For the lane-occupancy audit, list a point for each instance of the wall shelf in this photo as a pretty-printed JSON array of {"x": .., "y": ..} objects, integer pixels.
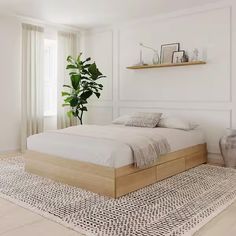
[{"x": 167, "y": 65}]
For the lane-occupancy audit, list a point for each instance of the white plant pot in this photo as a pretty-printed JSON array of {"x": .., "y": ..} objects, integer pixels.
[{"x": 228, "y": 148}]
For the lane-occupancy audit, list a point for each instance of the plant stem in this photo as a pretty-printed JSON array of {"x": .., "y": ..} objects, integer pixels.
[
  {"x": 80, "y": 119},
  {"x": 81, "y": 116}
]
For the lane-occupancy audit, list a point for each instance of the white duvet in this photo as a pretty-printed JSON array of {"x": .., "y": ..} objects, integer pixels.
[{"x": 102, "y": 151}]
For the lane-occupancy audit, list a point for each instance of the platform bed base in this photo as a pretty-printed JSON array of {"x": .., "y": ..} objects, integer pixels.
[{"x": 110, "y": 181}]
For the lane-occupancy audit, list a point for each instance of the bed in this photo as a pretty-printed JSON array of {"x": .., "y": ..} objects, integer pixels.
[{"x": 106, "y": 166}]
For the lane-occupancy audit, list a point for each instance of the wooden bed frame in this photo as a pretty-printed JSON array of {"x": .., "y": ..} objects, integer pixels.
[{"x": 113, "y": 182}]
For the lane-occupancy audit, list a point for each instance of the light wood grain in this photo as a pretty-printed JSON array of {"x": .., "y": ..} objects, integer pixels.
[
  {"x": 71, "y": 164},
  {"x": 170, "y": 168},
  {"x": 129, "y": 183},
  {"x": 164, "y": 159},
  {"x": 99, "y": 179},
  {"x": 194, "y": 160},
  {"x": 110, "y": 181},
  {"x": 166, "y": 65}
]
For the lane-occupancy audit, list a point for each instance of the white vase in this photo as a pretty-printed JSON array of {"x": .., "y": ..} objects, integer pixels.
[
  {"x": 156, "y": 58},
  {"x": 228, "y": 148}
]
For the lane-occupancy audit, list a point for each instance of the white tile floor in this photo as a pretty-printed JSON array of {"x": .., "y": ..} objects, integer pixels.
[{"x": 16, "y": 221}]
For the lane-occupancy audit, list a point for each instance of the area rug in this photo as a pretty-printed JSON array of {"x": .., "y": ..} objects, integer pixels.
[{"x": 179, "y": 205}]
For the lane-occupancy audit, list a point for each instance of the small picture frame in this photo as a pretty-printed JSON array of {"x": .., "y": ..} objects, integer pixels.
[
  {"x": 167, "y": 52},
  {"x": 178, "y": 57}
]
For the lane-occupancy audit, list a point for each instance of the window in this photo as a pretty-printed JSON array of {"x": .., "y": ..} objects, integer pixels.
[{"x": 50, "y": 77}]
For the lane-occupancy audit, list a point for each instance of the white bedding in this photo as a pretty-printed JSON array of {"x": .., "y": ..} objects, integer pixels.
[{"x": 104, "y": 151}]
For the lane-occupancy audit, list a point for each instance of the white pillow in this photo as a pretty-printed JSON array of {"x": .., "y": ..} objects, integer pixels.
[
  {"x": 121, "y": 120},
  {"x": 177, "y": 123},
  {"x": 144, "y": 119}
]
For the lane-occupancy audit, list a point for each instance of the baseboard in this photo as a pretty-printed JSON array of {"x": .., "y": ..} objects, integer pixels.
[
  {"x": 10, "y": 153},
  {"x": 215, "y": 158}
]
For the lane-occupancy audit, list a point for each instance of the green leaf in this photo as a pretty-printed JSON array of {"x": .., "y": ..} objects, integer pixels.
[
  {"x": 67, "y": 86},
  {"x": 66, "y": 105},
  {"x": 65, "y": 94},
  {"x": 68, "y": 99},
  {"x": 73, "y": 73},
  {"x": 75, "y": 81},
  {"x": 97, "y": 94},
  {"x": 74, "y": 102},
  {"x": 85, "y": 71},
  {"x": 101, "y": 76},
  {"x": 78, "y": 58},
  {"x": 85, "y": 78},
  {"x": 86, "y": 95},
  {"x": 84, "y": 109},
  {"x": 86, "y": 60},
  {"x": 84, "y": 84},
  {"x": 87, "y": 65},
  {"x": 94, "y": 71},
  {"x": 70, "y": 114},
  {"x": 70, "y": 59},
  {"x": 71, "y": 67},
  {"x": 83, "y": 101}
]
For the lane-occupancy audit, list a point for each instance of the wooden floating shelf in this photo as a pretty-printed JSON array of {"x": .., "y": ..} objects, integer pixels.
[{"x": 192, "y": 63}]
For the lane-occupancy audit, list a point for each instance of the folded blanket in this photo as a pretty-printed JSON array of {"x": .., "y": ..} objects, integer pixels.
[{"x": 146, "y": 146}]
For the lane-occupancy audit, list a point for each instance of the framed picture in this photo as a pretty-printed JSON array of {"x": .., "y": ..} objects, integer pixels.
[
  {"x": 167, "y": 52},
  {"x": 178, "y": 56}
]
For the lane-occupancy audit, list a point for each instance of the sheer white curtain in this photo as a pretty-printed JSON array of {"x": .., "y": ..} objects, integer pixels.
[
  {"x": 32, "y": 81},
  {"x": 67, "y": 46}
]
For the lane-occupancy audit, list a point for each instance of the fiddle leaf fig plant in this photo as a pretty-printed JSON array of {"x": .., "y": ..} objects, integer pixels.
[{"x": 84, "y": 78}]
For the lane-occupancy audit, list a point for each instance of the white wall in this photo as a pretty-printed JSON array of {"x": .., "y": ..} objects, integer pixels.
[
  {"x": 204, "y": 93},
  {"x": 10, "y": 86},
  {"x": 99, "y": 47}
]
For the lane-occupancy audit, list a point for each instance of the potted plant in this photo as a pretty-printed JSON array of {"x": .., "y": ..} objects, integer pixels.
[{"x": 83, "y": 84}]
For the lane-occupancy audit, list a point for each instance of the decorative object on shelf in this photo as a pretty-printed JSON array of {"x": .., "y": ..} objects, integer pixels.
[
  {"x": 141, "y": 57},
  {"x": 155, "y": 59},
  {"x": 195, "y": 55},
  {"x": 141, "y": 62},
  {"x": 178, "y": 56},
  {"x": 167, "y": 52},
  {"x": 137, "y": 67},
  {"x": 228, "y": 148},
  {"x": 185, "y": 58}
]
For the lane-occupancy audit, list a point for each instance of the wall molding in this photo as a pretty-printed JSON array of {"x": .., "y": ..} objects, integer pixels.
[
  {"x": 230, "y": 111},
  {"x": 174, "y": 108}
]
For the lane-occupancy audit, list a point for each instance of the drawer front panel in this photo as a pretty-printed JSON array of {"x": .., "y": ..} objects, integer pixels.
[{"x": 170, "y": 168}]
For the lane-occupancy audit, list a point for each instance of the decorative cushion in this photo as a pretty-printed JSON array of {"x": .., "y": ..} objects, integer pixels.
[
  {"x": 121, "y": 120},
  {"x": 177, "y": 123},
  {"x": 144, "y": 119}
]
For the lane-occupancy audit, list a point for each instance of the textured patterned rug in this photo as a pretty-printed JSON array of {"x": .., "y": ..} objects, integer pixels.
[{"x": 176, "y": 206}]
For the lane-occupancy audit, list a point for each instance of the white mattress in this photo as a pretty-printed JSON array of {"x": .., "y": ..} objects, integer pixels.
[{"x": 103, "y": 151}]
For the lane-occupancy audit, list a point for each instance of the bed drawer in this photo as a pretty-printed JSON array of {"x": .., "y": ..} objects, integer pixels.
[
  {"x": 195, "y": 160},
  {"x": 132, "y": 182},
  {"x": 170, "y": 168}
]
